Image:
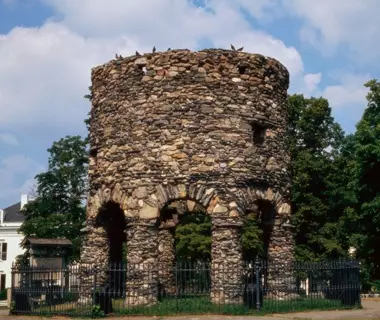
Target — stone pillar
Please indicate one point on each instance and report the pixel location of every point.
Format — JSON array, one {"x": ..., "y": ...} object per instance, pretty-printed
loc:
[
  {"x": 142, "y": 269},
  {"x": 166, "y": 261},
  {"x": 281, "y": 243},
  {"x": 94, "y": 260},
  {"x": 227, "y": 286},
  {"x": 279, "y": 274}
]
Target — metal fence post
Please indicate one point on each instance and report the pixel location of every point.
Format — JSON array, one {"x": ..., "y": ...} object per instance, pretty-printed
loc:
[
  {"x": 94, "y": 288},
  {"x": 50, "y": 289},
  {"x": 176, "y": 285},
  {"x": 258, "y": 278},
  {"x": 13, "y": 280}
]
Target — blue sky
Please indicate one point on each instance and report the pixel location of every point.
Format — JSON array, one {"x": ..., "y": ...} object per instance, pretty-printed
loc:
[{"x": 48, "y": 47}]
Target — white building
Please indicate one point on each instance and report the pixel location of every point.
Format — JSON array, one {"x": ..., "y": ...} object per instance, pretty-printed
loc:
[{"x": 10, "y": 239}]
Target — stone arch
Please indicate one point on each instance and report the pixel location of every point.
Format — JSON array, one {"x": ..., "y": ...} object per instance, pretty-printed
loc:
[
  {"x": 111, "y": 218},
  {"x": 152, "y": 204},
  {"x": 103, "y": 207},
  {"x": 103, "y": 196},
  {"x": 182, "y": 198},
  {"x": 251, "y": 194},
  {"x": 100, "y": 238},
  {"x": 279, "y": 233},
  {"x": 225, "y": 234},
  {"x": 198, "y": 193},
  {"x": 254, "y": 197}
]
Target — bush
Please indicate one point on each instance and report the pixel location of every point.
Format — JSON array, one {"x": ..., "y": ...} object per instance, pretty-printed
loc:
[
  {"x": 375, "y": 286},
  {"x": 3, "y": 294}
]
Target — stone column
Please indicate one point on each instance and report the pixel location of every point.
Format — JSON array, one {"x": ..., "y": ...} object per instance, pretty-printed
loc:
[
  {"x": 142, "y": 269},
  {"x": 279, "y": 274},
  {"x": 94, "y": 260},
  {"x": 166, "y": 261},
  {"x": 281, "y": 243},
  {"x": 227, "y": 286}
]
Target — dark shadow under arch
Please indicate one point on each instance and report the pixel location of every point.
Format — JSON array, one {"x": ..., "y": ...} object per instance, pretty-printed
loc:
[
  {"x": 257, "y": 230},
  {"x": 267, "y": 215},
  {"x": 257, "y": 236},
  {"x": 111, "y": 218}
]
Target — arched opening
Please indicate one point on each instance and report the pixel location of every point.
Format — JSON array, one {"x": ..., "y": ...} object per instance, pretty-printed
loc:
[
  {"x": 191, "y": 228},
  {"x": 185, "y": 248},
  {"x": 266, "y": 217},
  {"x": 257, "y": 230},
  {"x": 111, "y": 218},
  {"x": 256, "y": 240}
]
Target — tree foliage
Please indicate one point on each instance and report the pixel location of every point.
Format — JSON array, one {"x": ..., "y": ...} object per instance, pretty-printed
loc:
[
  {"x": 58, "y": 211},
  {"x": 367, "y": 156},
  {"x": 252, "y": 238},
  {"x": 318, "y": 194},
  {"x": 193, "y": 237}
]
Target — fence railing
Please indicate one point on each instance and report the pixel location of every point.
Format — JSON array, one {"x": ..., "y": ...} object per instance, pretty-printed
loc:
[{"x": 185, "y": 288}]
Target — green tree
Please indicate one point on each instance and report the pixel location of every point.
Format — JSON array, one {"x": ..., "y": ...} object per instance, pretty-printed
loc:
[
  {"x": 252, "y": 238},
  {"x": 58, "y": 211},
  {"x": 315, "y": 141},
  {"x": 193, "y": 237},
  {"x": 367, "y": 147}
]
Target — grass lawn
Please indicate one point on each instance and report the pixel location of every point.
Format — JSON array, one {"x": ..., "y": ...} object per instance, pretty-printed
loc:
[
  {"x": 203, "y": 305},
  {"x": 195, "y": 306}
]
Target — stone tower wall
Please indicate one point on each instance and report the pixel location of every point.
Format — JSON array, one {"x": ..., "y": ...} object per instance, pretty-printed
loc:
[
  {"x": 206, "y": 127},
  {"x": 188, "y": 118}
]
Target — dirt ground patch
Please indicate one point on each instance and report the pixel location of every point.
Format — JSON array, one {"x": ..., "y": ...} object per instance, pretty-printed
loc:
[{"x": 371, "y": 310}]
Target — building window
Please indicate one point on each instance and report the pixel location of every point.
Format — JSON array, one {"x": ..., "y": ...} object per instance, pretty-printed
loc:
[
  {"x": 242, "y": 69},
  {"x": 94, "y": 152},
  {"x": 2, "y": 282},
  {"x": 3, "y": 248},
  {"x": 258, "y": 133}
]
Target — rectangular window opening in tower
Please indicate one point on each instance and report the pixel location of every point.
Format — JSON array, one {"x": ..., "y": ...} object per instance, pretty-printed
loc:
[{"x": 258, "y": 133}]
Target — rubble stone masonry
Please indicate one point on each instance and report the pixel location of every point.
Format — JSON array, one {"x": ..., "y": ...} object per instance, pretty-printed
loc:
[{"x": 208, "y": 127}]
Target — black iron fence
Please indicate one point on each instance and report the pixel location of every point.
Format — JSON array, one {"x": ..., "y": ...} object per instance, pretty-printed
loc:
[{"x": 196, "y": 288}]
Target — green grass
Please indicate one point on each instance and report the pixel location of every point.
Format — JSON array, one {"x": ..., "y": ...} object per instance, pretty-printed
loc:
[
  {"x": 195, "y": 306},
  {"x": 203, "y": 305}
]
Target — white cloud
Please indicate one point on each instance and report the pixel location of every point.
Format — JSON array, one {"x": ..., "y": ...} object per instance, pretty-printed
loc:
[
  {"x": 331, "y": 23},
  {"x": 8, "y": 138},
  {"x": 311, "y": 81},
  {"x": 349, "y": 92},
  {"x": 46, "y": 71},
  {"x": 347, "y": 97},
  {"x": 255, "y": 41}
]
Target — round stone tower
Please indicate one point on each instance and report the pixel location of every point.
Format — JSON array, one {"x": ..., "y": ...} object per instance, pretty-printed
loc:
[{"x": 206, "y": 128}]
